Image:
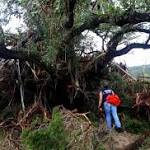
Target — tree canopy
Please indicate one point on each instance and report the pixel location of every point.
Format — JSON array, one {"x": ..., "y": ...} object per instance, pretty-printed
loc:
[
  {"x": 55, "y": 28},
  {"x": 55, "y": 35}
]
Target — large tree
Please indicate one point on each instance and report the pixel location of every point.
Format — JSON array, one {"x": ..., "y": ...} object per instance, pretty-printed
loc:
[
  {"x": 55, "y": 41},
  {"x": 58, "y": 25}
]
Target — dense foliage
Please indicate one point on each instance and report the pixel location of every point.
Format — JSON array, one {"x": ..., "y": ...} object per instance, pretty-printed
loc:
[
  {"x": 52, "y": 137},
  {"x": 136, "y": 126},
  {"x": 58, "y": 25}
]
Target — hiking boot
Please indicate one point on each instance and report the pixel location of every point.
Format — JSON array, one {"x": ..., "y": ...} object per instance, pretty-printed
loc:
[
  {"x": 108, "y": 131},
  {"x": 119, "y": 130}
]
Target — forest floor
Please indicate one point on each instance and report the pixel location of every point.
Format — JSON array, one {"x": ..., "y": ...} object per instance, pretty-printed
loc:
[
  {"x": 84, "y": 135},
  {"x": 87, "y": 137}
]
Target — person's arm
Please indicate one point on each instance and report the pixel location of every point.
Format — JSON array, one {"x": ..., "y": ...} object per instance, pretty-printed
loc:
[
  {"x": 100, "y": 99},
  {"x": 113, "y": 93}
]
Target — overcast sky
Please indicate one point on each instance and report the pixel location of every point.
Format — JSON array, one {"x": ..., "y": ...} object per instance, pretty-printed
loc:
[
  {"x": 133, "y": 58},
  {"x": 14, "y": 24}
]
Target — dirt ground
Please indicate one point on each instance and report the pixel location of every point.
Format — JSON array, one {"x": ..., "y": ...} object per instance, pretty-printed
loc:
[
  {"x": 83, "y": 135},
  {"x": 119, "y": 141}
]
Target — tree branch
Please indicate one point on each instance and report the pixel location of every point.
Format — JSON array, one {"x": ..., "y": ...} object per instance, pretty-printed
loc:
[
  {"x": 128, "y": 17},
  {"x": 130, "y": 47},
  {"x": 21, "y": 54},
  {"x": 114, "y": 41},
  {"x": 25, "y": 56},
  {"x": 89, "y": 24},
  {"x": 147, "y": 39},
  {"x": 70, "y": 6}
]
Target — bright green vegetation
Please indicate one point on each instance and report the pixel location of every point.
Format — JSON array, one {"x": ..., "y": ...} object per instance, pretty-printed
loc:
[{"x": 52, "y": 137}]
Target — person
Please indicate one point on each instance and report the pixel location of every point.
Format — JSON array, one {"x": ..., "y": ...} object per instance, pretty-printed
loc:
[
  {"x": 123, "y": 66},
  {"x": 109, "y": 109}
]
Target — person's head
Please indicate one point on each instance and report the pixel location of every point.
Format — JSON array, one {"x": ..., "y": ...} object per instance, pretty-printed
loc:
[{"x": 106, "y": 84}]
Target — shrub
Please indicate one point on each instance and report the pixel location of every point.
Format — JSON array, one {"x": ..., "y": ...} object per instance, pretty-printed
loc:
[
  {"x": 51, "y": 138},
  {"x": 100, "y": 147},
  {"x": 135, "y": 126}
]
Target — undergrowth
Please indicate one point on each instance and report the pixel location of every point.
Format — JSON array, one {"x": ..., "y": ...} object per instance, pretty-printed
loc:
[
  {"x": 135, "y": 125},
  {"x": 52, "y": 137}
]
